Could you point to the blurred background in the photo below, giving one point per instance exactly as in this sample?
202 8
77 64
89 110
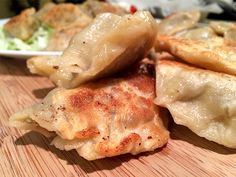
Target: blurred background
217 9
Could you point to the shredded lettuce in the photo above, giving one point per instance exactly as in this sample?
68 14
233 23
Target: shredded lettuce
37 42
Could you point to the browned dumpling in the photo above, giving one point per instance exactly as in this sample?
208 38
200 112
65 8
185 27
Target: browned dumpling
44 10
110 43
213 54
202 100
95 7
24 25
61 15
100 119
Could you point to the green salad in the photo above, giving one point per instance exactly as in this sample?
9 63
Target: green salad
37 42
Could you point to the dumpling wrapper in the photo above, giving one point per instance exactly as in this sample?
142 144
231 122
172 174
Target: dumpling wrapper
202 100
178 22
23 25
61 15
200 33
60 38
220 27
109 44
213 54
226 29
100 119
230 37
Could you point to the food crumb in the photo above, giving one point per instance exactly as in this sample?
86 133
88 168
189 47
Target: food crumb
55 67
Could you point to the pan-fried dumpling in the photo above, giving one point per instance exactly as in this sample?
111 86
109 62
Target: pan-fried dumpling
61 15
100 119
178 22
212 53
227 30
23 25
202 100
200 33
110 43
94 8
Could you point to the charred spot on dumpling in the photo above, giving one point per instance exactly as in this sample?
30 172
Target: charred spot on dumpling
61 108
55 67
109 150
87 133
81 99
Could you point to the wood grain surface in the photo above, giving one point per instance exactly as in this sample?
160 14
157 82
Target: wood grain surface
29 154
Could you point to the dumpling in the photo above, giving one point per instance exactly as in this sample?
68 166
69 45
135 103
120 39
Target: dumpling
100 119
23 25
212 53
220 27
60 38
94 8
200 33
110 43
178 22
202 100
44 10
72 20
227 30
230 36
61 15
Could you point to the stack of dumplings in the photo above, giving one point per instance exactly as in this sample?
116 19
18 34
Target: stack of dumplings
198 85
108 102
104 114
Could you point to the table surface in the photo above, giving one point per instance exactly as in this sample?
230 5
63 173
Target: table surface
29 154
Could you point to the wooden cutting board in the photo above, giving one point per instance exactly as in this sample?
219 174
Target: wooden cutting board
29 154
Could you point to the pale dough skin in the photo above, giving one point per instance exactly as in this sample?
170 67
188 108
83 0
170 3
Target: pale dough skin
202 100
109 44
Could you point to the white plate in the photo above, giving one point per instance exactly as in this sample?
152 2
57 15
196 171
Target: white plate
25 54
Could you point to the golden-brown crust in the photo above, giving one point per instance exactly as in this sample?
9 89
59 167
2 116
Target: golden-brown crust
188 67
23 25
16 20
87 133
108 149
212 54
81 99
105 118
59 16
142 83
94 95
97 7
